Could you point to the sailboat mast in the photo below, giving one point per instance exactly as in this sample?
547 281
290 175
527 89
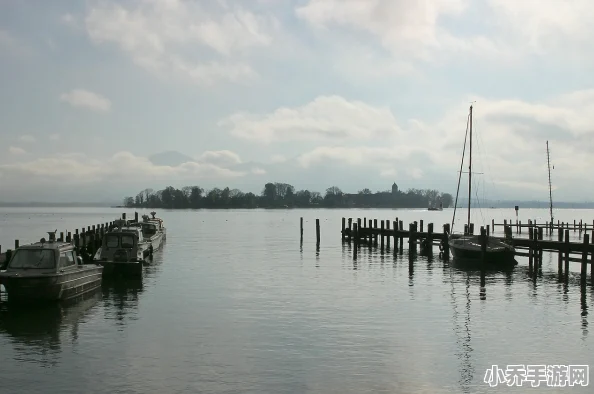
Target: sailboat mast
470 169
550 187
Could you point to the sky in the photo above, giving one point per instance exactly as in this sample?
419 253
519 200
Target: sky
100 99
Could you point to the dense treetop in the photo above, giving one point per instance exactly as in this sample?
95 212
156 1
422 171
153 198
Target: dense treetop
282 195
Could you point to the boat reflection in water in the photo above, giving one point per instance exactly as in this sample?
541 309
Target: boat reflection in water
120 297
40 327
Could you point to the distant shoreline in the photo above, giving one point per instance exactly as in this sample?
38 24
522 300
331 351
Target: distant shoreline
511 205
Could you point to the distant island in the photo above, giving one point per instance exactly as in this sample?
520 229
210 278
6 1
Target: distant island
283 195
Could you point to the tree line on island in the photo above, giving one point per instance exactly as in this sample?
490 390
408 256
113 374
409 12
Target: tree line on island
283 195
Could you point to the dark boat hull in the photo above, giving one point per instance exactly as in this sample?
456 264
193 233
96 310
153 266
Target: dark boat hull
468 249
54 287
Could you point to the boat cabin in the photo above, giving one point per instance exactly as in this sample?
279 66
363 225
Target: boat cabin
49 256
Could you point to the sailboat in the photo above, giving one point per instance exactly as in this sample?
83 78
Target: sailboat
467 247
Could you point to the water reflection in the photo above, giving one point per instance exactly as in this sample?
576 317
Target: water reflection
584 311
39 327
120 297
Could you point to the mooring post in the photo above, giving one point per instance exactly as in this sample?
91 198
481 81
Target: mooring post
61 239
504 223
355 239
466 230
376 236
412 246
421 225
540 238
343 227
76 243
573 225
365 222
317 231
530 248
136 216
560 257
395 231
124 216
382 236
430 237
471 229
483 240
488 230
350 229
69 237
388 234
566 254
301 228
401 227
584 270
493 224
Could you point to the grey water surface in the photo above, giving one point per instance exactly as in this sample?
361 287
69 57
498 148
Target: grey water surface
233 303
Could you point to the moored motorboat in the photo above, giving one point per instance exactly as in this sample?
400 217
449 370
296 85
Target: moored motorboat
123 250
48 271
153 230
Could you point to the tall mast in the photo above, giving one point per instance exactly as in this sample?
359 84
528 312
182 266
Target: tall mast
470 168
550 187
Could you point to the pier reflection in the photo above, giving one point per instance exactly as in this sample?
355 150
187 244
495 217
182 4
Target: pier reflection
39 328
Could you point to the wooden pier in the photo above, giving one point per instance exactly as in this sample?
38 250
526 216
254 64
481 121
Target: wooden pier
86 242
367 232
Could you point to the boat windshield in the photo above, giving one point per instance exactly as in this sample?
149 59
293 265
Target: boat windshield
127 241
33 258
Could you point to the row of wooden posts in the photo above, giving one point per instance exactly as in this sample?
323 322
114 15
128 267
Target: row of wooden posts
367 231
86 242
548 227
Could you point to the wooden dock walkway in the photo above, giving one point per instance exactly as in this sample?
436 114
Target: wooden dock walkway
87 241
367 232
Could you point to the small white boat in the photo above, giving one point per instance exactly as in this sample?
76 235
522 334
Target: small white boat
48 271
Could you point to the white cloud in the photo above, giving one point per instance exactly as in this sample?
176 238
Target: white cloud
54 137
122 166
509 30
167 37
258 171
223 158
402 26
28 138
16 150
508 142
326 117
86 99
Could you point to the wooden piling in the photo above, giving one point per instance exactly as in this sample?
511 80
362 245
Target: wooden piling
343 228
530 249
566 254
430 238
301 228
317 231
388 231
376 235
560 257
483 241
382 236
412 245
355 239
584 267
540 238
421 225
395 225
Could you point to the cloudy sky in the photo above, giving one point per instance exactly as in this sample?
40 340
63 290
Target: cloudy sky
100 99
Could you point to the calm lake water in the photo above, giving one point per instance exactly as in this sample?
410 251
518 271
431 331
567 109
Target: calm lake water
234 304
